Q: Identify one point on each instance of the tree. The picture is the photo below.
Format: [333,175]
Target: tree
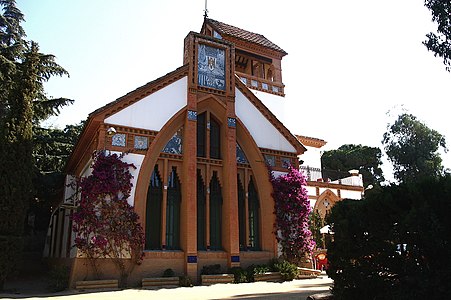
[413,148]
[51,149]
[348,157]
[23,103]
[292,209]
[440,42]
[106,226]
[393,244]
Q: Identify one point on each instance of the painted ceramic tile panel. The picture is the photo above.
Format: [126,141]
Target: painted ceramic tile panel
[174,146]
[211,67]
[240,156]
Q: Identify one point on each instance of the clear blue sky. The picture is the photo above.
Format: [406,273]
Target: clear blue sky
[348,62]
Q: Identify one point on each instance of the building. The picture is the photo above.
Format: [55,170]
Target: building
[202,138]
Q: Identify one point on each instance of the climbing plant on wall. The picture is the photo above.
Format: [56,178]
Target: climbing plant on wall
[105,224]
[292,209]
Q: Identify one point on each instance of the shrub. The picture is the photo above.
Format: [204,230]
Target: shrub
[168,273]
[59,278]
[288,270]
[211,269]
[253,270]
[185,281]
[240,274]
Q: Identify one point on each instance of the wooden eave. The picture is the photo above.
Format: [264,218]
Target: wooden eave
[270,117]
[311,141]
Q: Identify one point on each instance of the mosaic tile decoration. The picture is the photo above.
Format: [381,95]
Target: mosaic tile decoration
[192,115]
[192,259]
[286,162]
[240,156]
[264,86]
[270,160]
[174,146]
[119,139]
[231,122]
[141,142]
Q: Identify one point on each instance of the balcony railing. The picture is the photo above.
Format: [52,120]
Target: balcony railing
[261,84]
[331,176]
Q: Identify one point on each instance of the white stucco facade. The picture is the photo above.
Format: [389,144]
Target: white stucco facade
[263,132]
[143,114]
[275,103]
[311,157]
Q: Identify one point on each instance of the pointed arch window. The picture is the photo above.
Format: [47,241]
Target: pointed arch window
[241,215]
[201,212]
[153,211]
[201,136]
[254,217]
[173,211]
[208,136]
[215,213]
[215,139]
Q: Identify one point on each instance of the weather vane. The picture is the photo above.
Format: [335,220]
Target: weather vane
[206,10]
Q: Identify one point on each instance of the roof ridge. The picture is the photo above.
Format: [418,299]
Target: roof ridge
[244,34]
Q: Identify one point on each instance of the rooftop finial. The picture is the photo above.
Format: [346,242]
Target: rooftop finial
[206,10]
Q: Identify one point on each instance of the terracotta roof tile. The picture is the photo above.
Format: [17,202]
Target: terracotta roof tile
[242,34]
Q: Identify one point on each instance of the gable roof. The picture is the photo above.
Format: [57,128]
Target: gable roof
[248,36]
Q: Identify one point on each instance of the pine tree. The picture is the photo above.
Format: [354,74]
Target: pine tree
[23,103]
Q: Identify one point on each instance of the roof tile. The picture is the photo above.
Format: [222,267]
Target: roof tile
[245,35]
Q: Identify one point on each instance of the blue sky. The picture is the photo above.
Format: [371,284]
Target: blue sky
[349,62]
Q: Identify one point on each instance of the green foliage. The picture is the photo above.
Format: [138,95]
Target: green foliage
[354,157]
[412,147]
[315,224]
[59,278]
[440,43]
[394,244]
[289,271]
[51,149]
[185,281]
[240,274]
[23,103]
[168,273]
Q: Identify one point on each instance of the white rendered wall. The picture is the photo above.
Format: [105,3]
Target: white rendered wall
[263,132]
[312,203]
[276,104]
[346,194]
[153,111]
[311,190]
[311,157]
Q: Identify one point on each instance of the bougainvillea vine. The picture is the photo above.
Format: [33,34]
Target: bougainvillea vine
[292,210]
[105,224]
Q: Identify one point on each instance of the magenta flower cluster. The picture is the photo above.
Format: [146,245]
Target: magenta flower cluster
[292,210]
[104,223]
